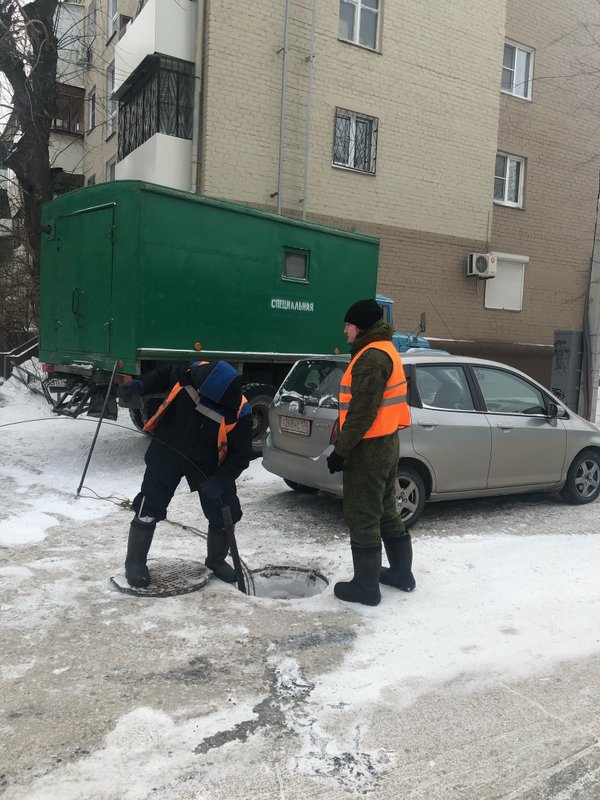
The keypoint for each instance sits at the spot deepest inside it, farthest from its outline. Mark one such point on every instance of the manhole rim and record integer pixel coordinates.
(321, 583)
(290, 568)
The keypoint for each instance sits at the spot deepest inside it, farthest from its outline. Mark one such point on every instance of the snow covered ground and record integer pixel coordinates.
(484, 683)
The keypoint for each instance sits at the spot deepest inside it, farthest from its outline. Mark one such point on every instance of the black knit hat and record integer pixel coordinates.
(364, 314)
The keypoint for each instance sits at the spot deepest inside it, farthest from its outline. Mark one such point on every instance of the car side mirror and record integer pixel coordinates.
(556, 412)
(423, 323)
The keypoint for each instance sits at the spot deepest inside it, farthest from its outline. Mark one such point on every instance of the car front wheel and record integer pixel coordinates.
(410, 494)
(583, 479)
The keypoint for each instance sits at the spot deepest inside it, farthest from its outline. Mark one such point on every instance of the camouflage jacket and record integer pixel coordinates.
(370, 375)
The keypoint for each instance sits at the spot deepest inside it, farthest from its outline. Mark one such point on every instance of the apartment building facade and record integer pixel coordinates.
(443, 129)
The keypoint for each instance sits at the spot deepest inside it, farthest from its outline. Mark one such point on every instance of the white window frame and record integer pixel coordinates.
(520, 52)
(505, 291)
(110, 165)
(355, 116)
(359, 7)
(509, 161)
(92, 110)
(113, 18)
(111, 103)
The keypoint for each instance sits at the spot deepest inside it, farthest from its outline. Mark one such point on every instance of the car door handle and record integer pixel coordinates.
(504, 427)
(429, 426)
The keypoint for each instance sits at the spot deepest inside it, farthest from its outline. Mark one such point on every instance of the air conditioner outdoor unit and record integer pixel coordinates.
(483, 265)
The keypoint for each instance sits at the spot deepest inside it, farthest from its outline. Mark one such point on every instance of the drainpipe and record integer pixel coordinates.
(591, 365)
(310, 58)
(201, 13)
(284, 50)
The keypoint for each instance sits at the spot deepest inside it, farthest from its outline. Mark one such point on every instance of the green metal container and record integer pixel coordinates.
(136, 273)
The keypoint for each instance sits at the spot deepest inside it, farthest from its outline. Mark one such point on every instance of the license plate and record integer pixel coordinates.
(295, 425)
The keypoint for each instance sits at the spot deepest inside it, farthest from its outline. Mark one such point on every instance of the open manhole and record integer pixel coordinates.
(168, 577)
(287, 583)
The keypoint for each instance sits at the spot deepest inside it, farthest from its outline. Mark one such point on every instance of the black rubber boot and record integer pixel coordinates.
(138, 544)
(364, 586)
(400, 556)
(217, 548)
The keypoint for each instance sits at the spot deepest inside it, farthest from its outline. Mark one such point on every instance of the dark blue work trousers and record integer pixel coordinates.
(157, 492)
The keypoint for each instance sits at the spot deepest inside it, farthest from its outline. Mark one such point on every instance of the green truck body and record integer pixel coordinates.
(135, 274)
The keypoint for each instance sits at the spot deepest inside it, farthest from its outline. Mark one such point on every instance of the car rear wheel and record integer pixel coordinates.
(583, 479)
(259, 395)
(410, 494)
(300, 487)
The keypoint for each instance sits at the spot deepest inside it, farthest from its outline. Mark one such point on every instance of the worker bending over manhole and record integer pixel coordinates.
(203, 433)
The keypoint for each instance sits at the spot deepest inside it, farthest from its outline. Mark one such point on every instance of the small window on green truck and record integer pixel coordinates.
(295, 265)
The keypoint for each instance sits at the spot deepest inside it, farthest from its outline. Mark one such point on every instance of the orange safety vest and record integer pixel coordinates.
(393, 412)
(224, 428)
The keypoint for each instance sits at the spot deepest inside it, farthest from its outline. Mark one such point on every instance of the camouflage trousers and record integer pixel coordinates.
(370, 509)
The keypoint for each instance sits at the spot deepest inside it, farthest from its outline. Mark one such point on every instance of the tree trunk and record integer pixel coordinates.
(31, 71)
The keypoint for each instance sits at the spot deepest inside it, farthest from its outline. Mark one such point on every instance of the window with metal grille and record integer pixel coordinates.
(355, 140)
(159, 101)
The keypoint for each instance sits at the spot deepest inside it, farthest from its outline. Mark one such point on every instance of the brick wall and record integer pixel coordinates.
(557, 134)
(433, 88)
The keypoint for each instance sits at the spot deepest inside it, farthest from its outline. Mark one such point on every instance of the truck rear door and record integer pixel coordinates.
(84, 242)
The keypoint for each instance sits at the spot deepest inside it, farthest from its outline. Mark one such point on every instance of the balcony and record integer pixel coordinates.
(66, 152)
(161, 159)
(167, 27)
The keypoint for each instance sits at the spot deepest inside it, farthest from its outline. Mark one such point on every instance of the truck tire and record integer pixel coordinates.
(259, 395)
(135, 415)
(140, 416)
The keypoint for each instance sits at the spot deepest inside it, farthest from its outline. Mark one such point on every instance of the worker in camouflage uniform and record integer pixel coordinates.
(372, 407)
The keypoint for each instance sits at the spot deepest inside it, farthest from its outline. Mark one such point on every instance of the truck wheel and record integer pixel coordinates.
(259, 395)
(135, 415)
(140, 416)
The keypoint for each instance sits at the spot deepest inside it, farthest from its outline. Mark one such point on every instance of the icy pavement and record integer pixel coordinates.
(484, 683)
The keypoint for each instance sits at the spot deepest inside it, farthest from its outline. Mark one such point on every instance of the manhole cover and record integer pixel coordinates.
(168, 577)
(287, 583)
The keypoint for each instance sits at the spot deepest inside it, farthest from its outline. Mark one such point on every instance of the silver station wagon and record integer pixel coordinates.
(479, 429)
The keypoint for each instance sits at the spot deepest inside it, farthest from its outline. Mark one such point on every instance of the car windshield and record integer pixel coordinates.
(314, 382)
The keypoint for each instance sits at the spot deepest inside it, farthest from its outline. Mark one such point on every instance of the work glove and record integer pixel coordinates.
(335, 462)
(129, 392)
(213, 488)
